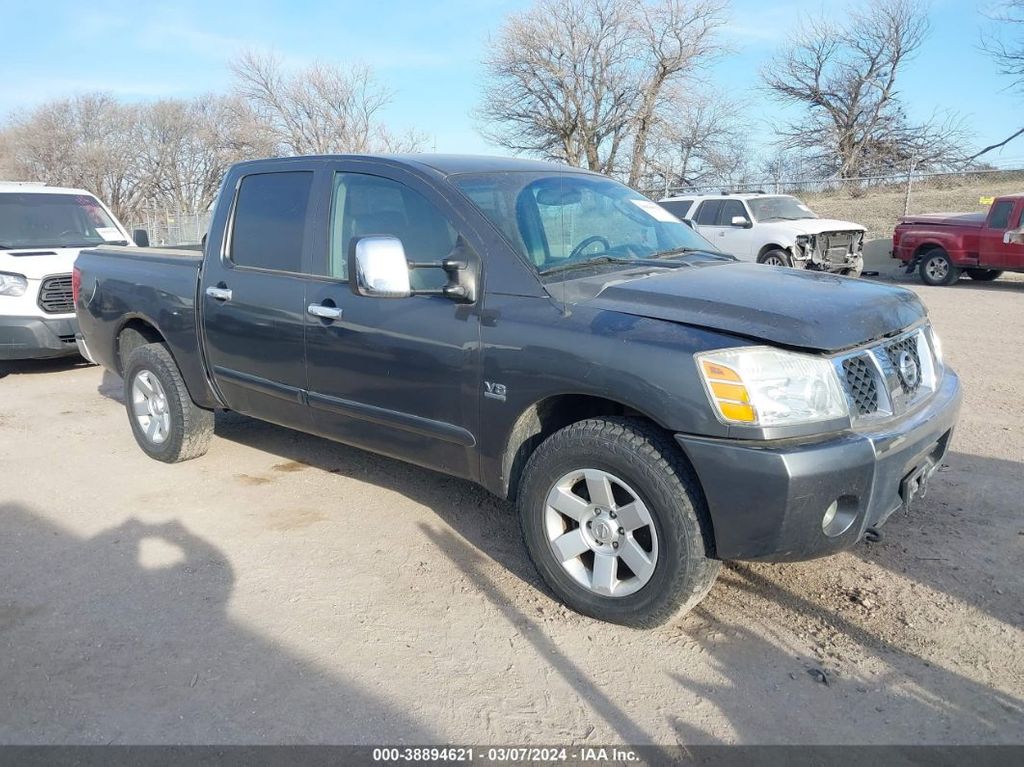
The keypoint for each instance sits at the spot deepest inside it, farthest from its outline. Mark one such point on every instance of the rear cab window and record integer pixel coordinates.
(269, 222)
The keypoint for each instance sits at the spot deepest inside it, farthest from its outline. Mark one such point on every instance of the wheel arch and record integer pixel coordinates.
(544, 417)
(770, 247)
(145, 327)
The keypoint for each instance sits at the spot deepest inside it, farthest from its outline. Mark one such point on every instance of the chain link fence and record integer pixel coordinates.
(878, 202)
(169, 228)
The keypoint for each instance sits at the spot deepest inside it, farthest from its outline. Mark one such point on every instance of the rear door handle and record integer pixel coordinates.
(220, 294)
(324, 312)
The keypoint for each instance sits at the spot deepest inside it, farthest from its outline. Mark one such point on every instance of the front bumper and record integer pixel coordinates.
(767, 499)
(23, 338)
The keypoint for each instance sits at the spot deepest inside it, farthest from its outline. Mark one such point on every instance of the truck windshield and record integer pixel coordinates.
(44, 220)
(559, 220)
(779, 208)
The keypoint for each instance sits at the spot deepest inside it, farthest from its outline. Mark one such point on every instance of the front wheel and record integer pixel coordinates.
(937, 268)
(615, 522)
(984, 275)
(166, 423)
(775, 258)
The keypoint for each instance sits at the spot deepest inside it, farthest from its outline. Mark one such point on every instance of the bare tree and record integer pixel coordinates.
(188, 146)
(585, 81)
(322, 109)
(89, 141)
(560, 82)
(844, 75)
(675, 39)
(697, 138)
(1004, 41)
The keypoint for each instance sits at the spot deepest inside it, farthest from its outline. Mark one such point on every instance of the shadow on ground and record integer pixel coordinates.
(125, 637)
(757, 667)
(41, 367)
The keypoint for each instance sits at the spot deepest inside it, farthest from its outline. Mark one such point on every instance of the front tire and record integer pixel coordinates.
(775, 257)
(984, 275)
(166, 423)
(937, 268)
(616, 523)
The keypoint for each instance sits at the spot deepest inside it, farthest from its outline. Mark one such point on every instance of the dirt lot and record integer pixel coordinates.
(286, 589)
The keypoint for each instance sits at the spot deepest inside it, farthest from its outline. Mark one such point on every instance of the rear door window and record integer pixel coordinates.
(707, 213)
(270, 221)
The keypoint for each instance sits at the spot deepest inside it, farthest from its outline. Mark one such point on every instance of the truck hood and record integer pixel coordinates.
(970, 220)
(788, 307)
(36, 263)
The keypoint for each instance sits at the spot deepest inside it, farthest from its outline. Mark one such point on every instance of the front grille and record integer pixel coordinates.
(55, 295)
(889, 378)
(861, 385)
(910, 373)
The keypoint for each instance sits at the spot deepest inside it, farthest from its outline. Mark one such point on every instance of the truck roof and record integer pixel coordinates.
(445, 164)
(37, 187)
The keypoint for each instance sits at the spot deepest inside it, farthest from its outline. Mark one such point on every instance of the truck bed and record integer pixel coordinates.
(169, 255)
(156, 285)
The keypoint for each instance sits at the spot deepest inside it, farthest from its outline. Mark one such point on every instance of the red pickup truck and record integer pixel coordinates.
(943, 245)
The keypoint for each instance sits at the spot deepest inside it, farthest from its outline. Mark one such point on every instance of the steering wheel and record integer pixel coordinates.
(587, 243)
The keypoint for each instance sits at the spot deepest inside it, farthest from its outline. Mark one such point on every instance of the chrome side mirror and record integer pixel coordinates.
(377, 267)
(741, 221)
(1014, 237)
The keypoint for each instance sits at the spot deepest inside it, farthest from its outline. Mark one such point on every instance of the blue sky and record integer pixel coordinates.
(428, 52)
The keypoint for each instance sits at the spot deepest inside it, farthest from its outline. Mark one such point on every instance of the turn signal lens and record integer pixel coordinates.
(731, 398)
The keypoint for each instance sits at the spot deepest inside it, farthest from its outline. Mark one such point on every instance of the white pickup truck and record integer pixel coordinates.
(774, 229)
(42, 230)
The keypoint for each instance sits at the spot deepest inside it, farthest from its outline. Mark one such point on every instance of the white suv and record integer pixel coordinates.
(42, 229)
(773, 229)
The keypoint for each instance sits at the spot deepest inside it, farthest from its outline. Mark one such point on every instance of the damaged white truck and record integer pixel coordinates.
(774, 229)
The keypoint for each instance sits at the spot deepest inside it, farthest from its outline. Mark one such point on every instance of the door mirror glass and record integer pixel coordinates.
(378, 267)
(741, 221)
(141, 237)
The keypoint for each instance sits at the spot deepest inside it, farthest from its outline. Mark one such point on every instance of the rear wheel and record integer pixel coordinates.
(984, 275)
(937, 268)
(615, 522)
(775, 257)
(166, 423)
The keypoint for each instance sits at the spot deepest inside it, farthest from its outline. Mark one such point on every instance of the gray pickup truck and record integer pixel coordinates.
(650, 405)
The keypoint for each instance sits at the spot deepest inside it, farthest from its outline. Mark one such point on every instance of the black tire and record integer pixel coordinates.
(775, 257)
(984, 275)
(653, 466)
(936, 268)
(191, 427)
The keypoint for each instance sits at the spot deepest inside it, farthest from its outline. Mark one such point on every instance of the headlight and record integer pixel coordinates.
(761, 386)
(12, 284)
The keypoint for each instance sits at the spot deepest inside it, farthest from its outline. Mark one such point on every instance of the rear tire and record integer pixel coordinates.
(166, 423)
(984, 275)
(644, 498)
(937, 268)
(775, 257)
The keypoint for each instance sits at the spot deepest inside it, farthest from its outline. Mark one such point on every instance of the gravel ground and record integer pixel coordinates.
(287, 589)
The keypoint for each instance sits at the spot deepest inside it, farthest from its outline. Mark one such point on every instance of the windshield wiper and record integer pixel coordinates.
(678, 252)
(588, 262)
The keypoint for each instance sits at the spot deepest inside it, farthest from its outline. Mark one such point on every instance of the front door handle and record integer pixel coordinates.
(324, 312)
(220, 294)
